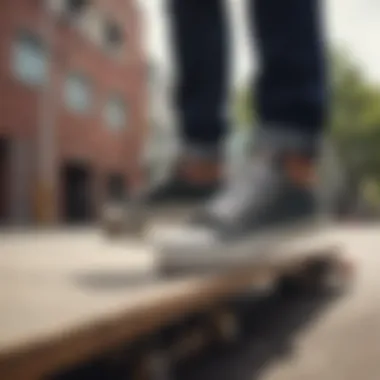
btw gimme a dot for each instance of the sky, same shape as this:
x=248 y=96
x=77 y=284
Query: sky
x=350 y=23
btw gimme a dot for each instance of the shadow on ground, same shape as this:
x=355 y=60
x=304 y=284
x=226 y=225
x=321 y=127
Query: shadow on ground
x=271 y=327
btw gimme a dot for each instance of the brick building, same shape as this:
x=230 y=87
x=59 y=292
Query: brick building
x=72 y=106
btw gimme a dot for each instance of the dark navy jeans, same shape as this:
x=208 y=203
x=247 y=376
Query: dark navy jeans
x=290 y=89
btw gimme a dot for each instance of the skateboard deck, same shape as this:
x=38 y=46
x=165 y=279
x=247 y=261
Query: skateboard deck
x=60 y=311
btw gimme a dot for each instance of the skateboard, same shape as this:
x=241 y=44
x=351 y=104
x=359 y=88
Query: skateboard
x=144 y=331
x=315 y=265
x=219 y=323
x=315 y=268
x=140 y=331
x=312 y=262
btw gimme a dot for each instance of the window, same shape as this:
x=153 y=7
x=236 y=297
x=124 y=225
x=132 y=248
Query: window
x=29 y=59
x=115 y=112
x=78 y=93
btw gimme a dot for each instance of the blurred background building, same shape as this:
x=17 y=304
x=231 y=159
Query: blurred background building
x=73 y=107
x=84 y=113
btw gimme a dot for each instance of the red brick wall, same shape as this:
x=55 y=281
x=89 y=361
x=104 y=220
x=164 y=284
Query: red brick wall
x=79 y=137
x=18 y=103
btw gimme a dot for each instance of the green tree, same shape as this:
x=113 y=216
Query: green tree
x=355 y=122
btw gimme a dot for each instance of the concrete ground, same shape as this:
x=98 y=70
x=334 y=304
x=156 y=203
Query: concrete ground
x=312 y=338
x=289 y=339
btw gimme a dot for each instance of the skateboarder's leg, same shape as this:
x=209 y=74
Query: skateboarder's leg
x=291 y=87
x=199 y=35
x=277 y=188
x=200 y=44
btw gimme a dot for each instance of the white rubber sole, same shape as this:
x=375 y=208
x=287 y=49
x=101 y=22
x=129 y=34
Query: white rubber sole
x=202 y=253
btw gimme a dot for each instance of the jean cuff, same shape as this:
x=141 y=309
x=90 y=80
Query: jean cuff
x=288 y=139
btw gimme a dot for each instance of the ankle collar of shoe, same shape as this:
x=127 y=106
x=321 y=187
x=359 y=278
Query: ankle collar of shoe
x=285 y=139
